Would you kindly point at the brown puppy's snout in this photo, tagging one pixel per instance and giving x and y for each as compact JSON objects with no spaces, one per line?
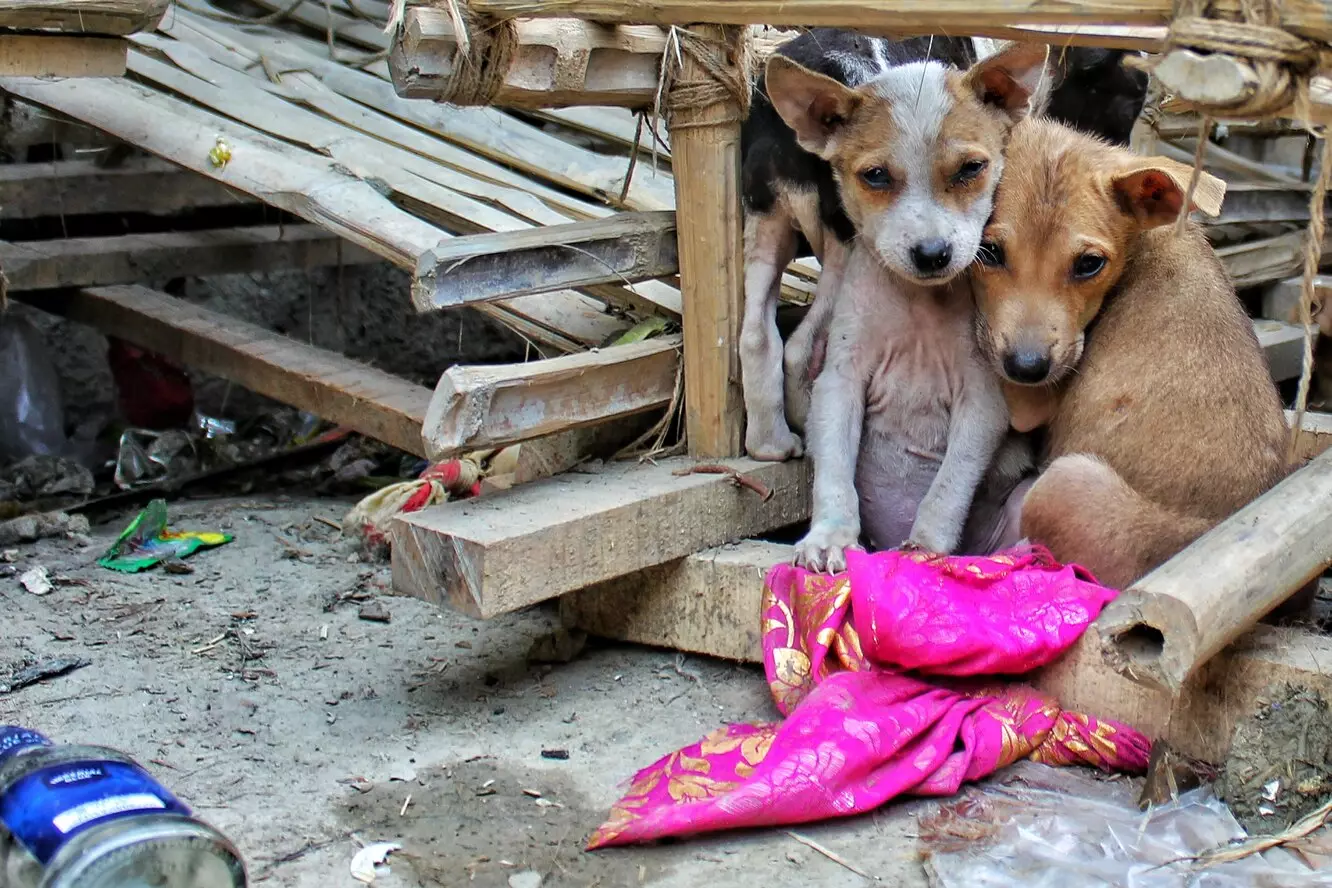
{"x":1027,"y":363}
{"x":931,"y":256}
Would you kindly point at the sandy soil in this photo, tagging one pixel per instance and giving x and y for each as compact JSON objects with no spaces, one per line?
{"x":253,"y":689}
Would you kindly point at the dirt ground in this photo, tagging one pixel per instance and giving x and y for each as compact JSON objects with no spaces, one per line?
{"x":254,"y":690}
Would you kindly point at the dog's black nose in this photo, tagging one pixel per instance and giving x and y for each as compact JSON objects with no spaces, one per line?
{"x":932,"y":256}
{"x":1027,"y":366}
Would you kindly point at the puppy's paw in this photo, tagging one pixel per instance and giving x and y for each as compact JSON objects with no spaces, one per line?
{"x":824,"y":548}
{"x":929,"y":538}
{"x":774,"y":444}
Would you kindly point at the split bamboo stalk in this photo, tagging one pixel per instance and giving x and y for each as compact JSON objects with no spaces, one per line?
{"x":1164,"y":627}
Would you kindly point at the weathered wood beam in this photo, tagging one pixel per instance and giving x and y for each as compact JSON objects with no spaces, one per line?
{"x":30,"y":55}
{"x":558,"y":62}
{"x":131,"y":258}
{"x":81,"y":187}
{"x":1164,"y":627}
{"x":1310,"y":18}
{"x":621,"y":249}
{"x":327,"y":384}
{"x":705,"y":155}
{"x":501,"y":404}
{"x":537,"y":541}
{"x":1261,"y":206}
{"x":111,"y":18}
{"x":1266,"y":260}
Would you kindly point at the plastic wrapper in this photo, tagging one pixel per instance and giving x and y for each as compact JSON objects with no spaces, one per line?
{"x":1041,"y":827}
{"x":32,"y":416}
{"x":147,"y":542}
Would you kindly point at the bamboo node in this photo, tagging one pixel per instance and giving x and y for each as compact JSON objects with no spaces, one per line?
{"x":727,"y":64}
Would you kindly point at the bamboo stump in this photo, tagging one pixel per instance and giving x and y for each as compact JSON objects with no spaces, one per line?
{"x":705,"y":116}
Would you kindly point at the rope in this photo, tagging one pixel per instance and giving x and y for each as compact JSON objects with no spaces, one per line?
{"x":485,"y":49}
{"x":1281,"y":62}
{"x":726,"y":64}
{"x":1313,"y":253}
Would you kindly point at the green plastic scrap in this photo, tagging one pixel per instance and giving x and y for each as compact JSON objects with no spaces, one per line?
{"x":147,"y":541}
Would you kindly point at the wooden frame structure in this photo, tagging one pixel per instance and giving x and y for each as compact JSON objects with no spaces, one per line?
{"x":707,"y":602}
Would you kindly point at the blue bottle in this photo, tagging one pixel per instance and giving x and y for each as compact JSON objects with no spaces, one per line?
{"x":89,"y":817}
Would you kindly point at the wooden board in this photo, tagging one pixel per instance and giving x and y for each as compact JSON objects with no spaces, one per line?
{"x":131,"y":258}
{"x":534,"y":542}
{"x":81,"y":187}
{"x":624,"y":248}
{"x":112,"y":18}
{"x":29,"y":55}
{"x":1311,"y":18}
{"x":329,"y":385}
{"x":1266,"y":260}
{"x":501,"y":404}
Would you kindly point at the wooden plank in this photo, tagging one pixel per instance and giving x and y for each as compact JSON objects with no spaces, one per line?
{"x":30,"y":55}
{"x":500,"y":404}
{"x":1270,"y":259}
{"x":617,"y":124}
{"x":1250,"y":206}
{"x":329,"y":385}
{"x":131,"y":258}
{"x":1164,"y":627}
{"x":624,"y":248}
{"x":1284,"y":346}
{"x":81,"y":187}
{"x":705,"y":143}
{"x":556,"y":63}
{"x":112,"y":18}
{"x":1310,"y":18}
{"x":536,"y":541}
{"x":1281,"y":301}
{"x":282,"y":175}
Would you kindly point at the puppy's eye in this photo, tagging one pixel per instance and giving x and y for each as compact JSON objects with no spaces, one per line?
{"x":969,"y":171}
{"x":990,"y":254}
{"x":1088,"y":265}
{"x":877,"y":178}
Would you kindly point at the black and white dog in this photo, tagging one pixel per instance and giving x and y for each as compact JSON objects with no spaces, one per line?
{"x":793,"y":208}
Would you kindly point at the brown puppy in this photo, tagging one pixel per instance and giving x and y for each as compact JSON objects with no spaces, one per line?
{"x":1127,"y":340}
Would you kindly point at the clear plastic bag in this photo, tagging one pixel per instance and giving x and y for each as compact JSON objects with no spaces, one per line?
{"x":1041,"y":827}
{"x":32,"y":416}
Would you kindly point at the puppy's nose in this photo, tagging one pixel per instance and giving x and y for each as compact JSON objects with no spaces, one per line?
{"x":1027,"y":365}
{"x":932,"y":256}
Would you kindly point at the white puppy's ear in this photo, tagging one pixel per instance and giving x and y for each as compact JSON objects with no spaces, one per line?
{"x":1010,"y":79}
{"x":814,"y":105}
{"x":1152,"y":189}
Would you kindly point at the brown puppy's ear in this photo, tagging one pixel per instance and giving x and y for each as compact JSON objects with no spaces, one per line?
{"x":1009,"y":79}
{"x":812,"y":104}
{"x":1152,"y":189}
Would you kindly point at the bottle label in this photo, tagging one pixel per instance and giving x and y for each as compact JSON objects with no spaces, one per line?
{"x":14,"y":738}
{"x":45,"y":809}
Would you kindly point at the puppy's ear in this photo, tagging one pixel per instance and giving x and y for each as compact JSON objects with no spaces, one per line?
{"x":812,"y":104}
{"x":1152,"y":189}
{"x":1009,"y":80}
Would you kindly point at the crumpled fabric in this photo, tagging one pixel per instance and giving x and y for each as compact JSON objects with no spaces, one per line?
{"x":859,"y":731}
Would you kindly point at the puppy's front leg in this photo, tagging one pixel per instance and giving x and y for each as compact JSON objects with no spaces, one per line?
{"x":976,"y":429}
{"x":836,"y":416}
{"x":770,"y":244}
{"x":797,"y":359}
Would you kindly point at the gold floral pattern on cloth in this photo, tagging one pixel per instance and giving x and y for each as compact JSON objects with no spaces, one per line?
{"x":859,"y":732}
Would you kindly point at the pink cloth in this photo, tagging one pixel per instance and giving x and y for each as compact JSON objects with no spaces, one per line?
{"x":858,"y":732}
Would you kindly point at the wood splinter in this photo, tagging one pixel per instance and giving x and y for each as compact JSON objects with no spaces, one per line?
{"x":739,"y":480}
{"x":1161,"y":629}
